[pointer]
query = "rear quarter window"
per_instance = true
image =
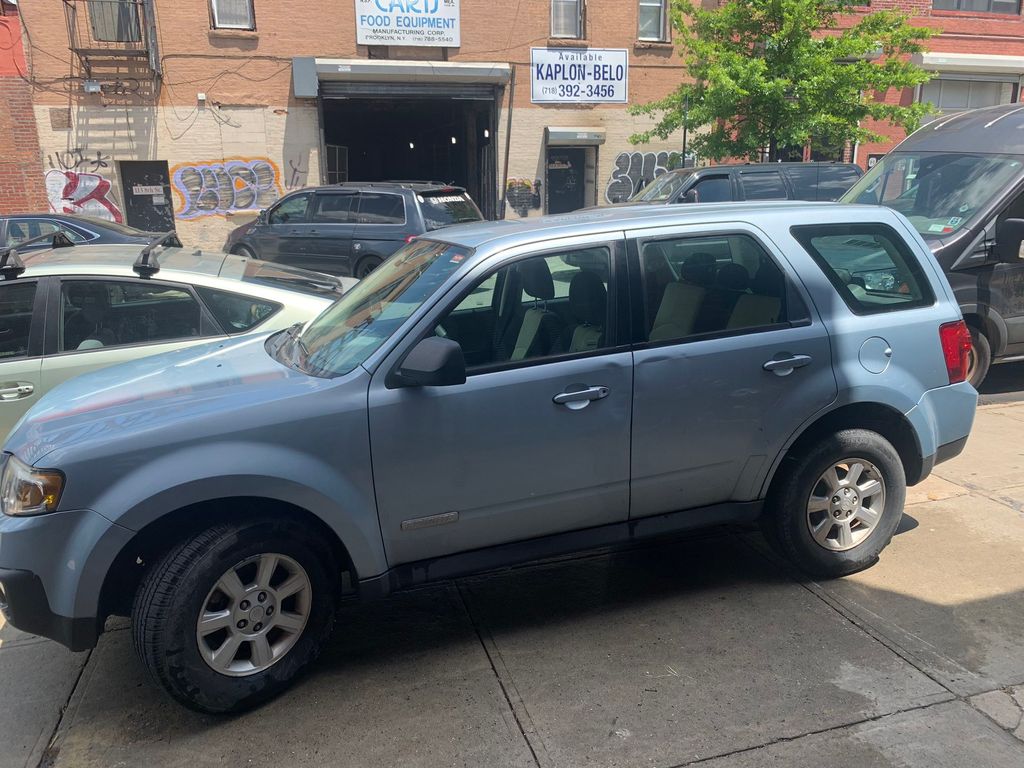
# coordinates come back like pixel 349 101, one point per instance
pixel 870 265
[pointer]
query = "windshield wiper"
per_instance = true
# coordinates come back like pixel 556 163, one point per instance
pixel 293 334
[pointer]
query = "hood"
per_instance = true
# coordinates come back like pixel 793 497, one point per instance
pixel 185 392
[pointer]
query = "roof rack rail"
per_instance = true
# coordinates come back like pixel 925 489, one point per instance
pixel 11 264
pixel 147 265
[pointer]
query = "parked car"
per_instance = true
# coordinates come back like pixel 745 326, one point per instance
pixel 81 230
pixel 64 311
pixel 960 181
pixel 491 394
pixel 349 229
pixel 750 181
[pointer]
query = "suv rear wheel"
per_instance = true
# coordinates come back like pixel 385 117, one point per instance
pixel 228 618
pixel 839 503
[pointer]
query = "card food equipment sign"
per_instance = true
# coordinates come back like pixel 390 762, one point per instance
pixel 408 22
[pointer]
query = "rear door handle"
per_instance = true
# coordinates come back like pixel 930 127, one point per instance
pixel 579 398
pixel 16 391
pixel 783 366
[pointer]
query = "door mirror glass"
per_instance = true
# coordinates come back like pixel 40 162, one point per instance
pixel 434 362
pixel 690 196
pixel 261 217
pixel 1009 236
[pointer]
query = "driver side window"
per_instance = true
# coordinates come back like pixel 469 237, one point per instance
pixel 291 210
pixel 540 307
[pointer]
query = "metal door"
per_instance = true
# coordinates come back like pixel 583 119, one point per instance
pixel 147 195
pixel 566 179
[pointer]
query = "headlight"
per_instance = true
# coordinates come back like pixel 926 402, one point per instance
pixel 27 491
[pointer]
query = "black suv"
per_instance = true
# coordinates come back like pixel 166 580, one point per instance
pixel 350 228
pixel 750 181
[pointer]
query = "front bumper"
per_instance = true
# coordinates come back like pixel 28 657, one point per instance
pixel 52 570
pixel 23 603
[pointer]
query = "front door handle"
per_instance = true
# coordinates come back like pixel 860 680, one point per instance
pixel 15 390
pixel 783 366
pixel 578 398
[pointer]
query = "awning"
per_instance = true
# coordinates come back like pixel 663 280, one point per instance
pixel 573 137
pixel 310 75
pixel 980 63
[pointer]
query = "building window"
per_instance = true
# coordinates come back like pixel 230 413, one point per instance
pixel 952 94
pixel 115 21
pixel 978 6
pixel 567 18
pixel 233 14
pixel 652 21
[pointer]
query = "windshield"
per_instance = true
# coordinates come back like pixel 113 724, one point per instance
pixel 938 191
pixel 662 188
pixel 292 279
pixel 352 329
pixel 449 207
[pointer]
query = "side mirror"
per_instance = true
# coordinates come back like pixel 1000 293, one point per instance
pixel 261 217
pixel 434 362
pixel 690 196
pixel 1009 237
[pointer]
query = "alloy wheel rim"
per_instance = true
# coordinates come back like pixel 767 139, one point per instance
pixel 846 504
pixel 254 614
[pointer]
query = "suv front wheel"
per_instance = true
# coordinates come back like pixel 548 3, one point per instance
pixel 228 618
pixel 839 503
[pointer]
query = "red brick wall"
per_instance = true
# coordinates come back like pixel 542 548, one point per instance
pixel 21 180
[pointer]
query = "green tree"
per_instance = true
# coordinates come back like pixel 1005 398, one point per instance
pixel 777 73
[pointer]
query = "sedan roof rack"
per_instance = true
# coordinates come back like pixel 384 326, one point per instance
pixel 11 264
pixel 147 265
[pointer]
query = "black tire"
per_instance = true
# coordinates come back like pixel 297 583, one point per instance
pixel 169 600
pixel 366 265
pixel 244 251
pixel 981 357
pixel 786 512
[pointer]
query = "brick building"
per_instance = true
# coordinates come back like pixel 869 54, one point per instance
pixel 21 187
pixel 197 113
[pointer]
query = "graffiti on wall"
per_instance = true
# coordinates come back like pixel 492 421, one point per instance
pixel 83 193
pixel 297 175
pixel 217 187
pixel 78 159
pixel 634 170
pixel 522 195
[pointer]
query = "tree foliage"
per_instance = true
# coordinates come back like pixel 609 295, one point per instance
pixel 775 73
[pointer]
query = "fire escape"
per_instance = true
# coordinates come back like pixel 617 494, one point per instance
pixel 115 44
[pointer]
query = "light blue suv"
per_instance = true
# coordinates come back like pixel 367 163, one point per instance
pixel 489 395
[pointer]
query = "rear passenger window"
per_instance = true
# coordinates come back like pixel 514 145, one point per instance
pixel 695 286
pixel 870 266
pixel 761 185
pixel 97 314
pixel 16 302
pixel 235 313
pixel 821 182
pixel 377 208
pixel 333 209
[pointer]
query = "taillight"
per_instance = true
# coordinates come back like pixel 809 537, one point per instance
pixel 956 348
pixel 410 238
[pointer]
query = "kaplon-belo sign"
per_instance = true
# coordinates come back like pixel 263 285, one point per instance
pixel 579 75
pixel 408 22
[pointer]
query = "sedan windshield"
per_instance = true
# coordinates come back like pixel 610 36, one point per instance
pixel 352 329
pixel 662 188
pixel 939 192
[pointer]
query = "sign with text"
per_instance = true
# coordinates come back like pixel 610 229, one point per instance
pixel 579 75
pixel 408 22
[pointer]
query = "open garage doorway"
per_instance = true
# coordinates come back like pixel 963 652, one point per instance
pixel 412 136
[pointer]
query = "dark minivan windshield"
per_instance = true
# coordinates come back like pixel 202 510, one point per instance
pixel 352 329
pixel 939 192
pixel 446 207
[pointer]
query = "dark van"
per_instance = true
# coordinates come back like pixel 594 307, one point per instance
pixel 750 181
pixel 960 181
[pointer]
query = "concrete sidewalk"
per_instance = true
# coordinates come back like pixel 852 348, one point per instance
pixel 706 651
